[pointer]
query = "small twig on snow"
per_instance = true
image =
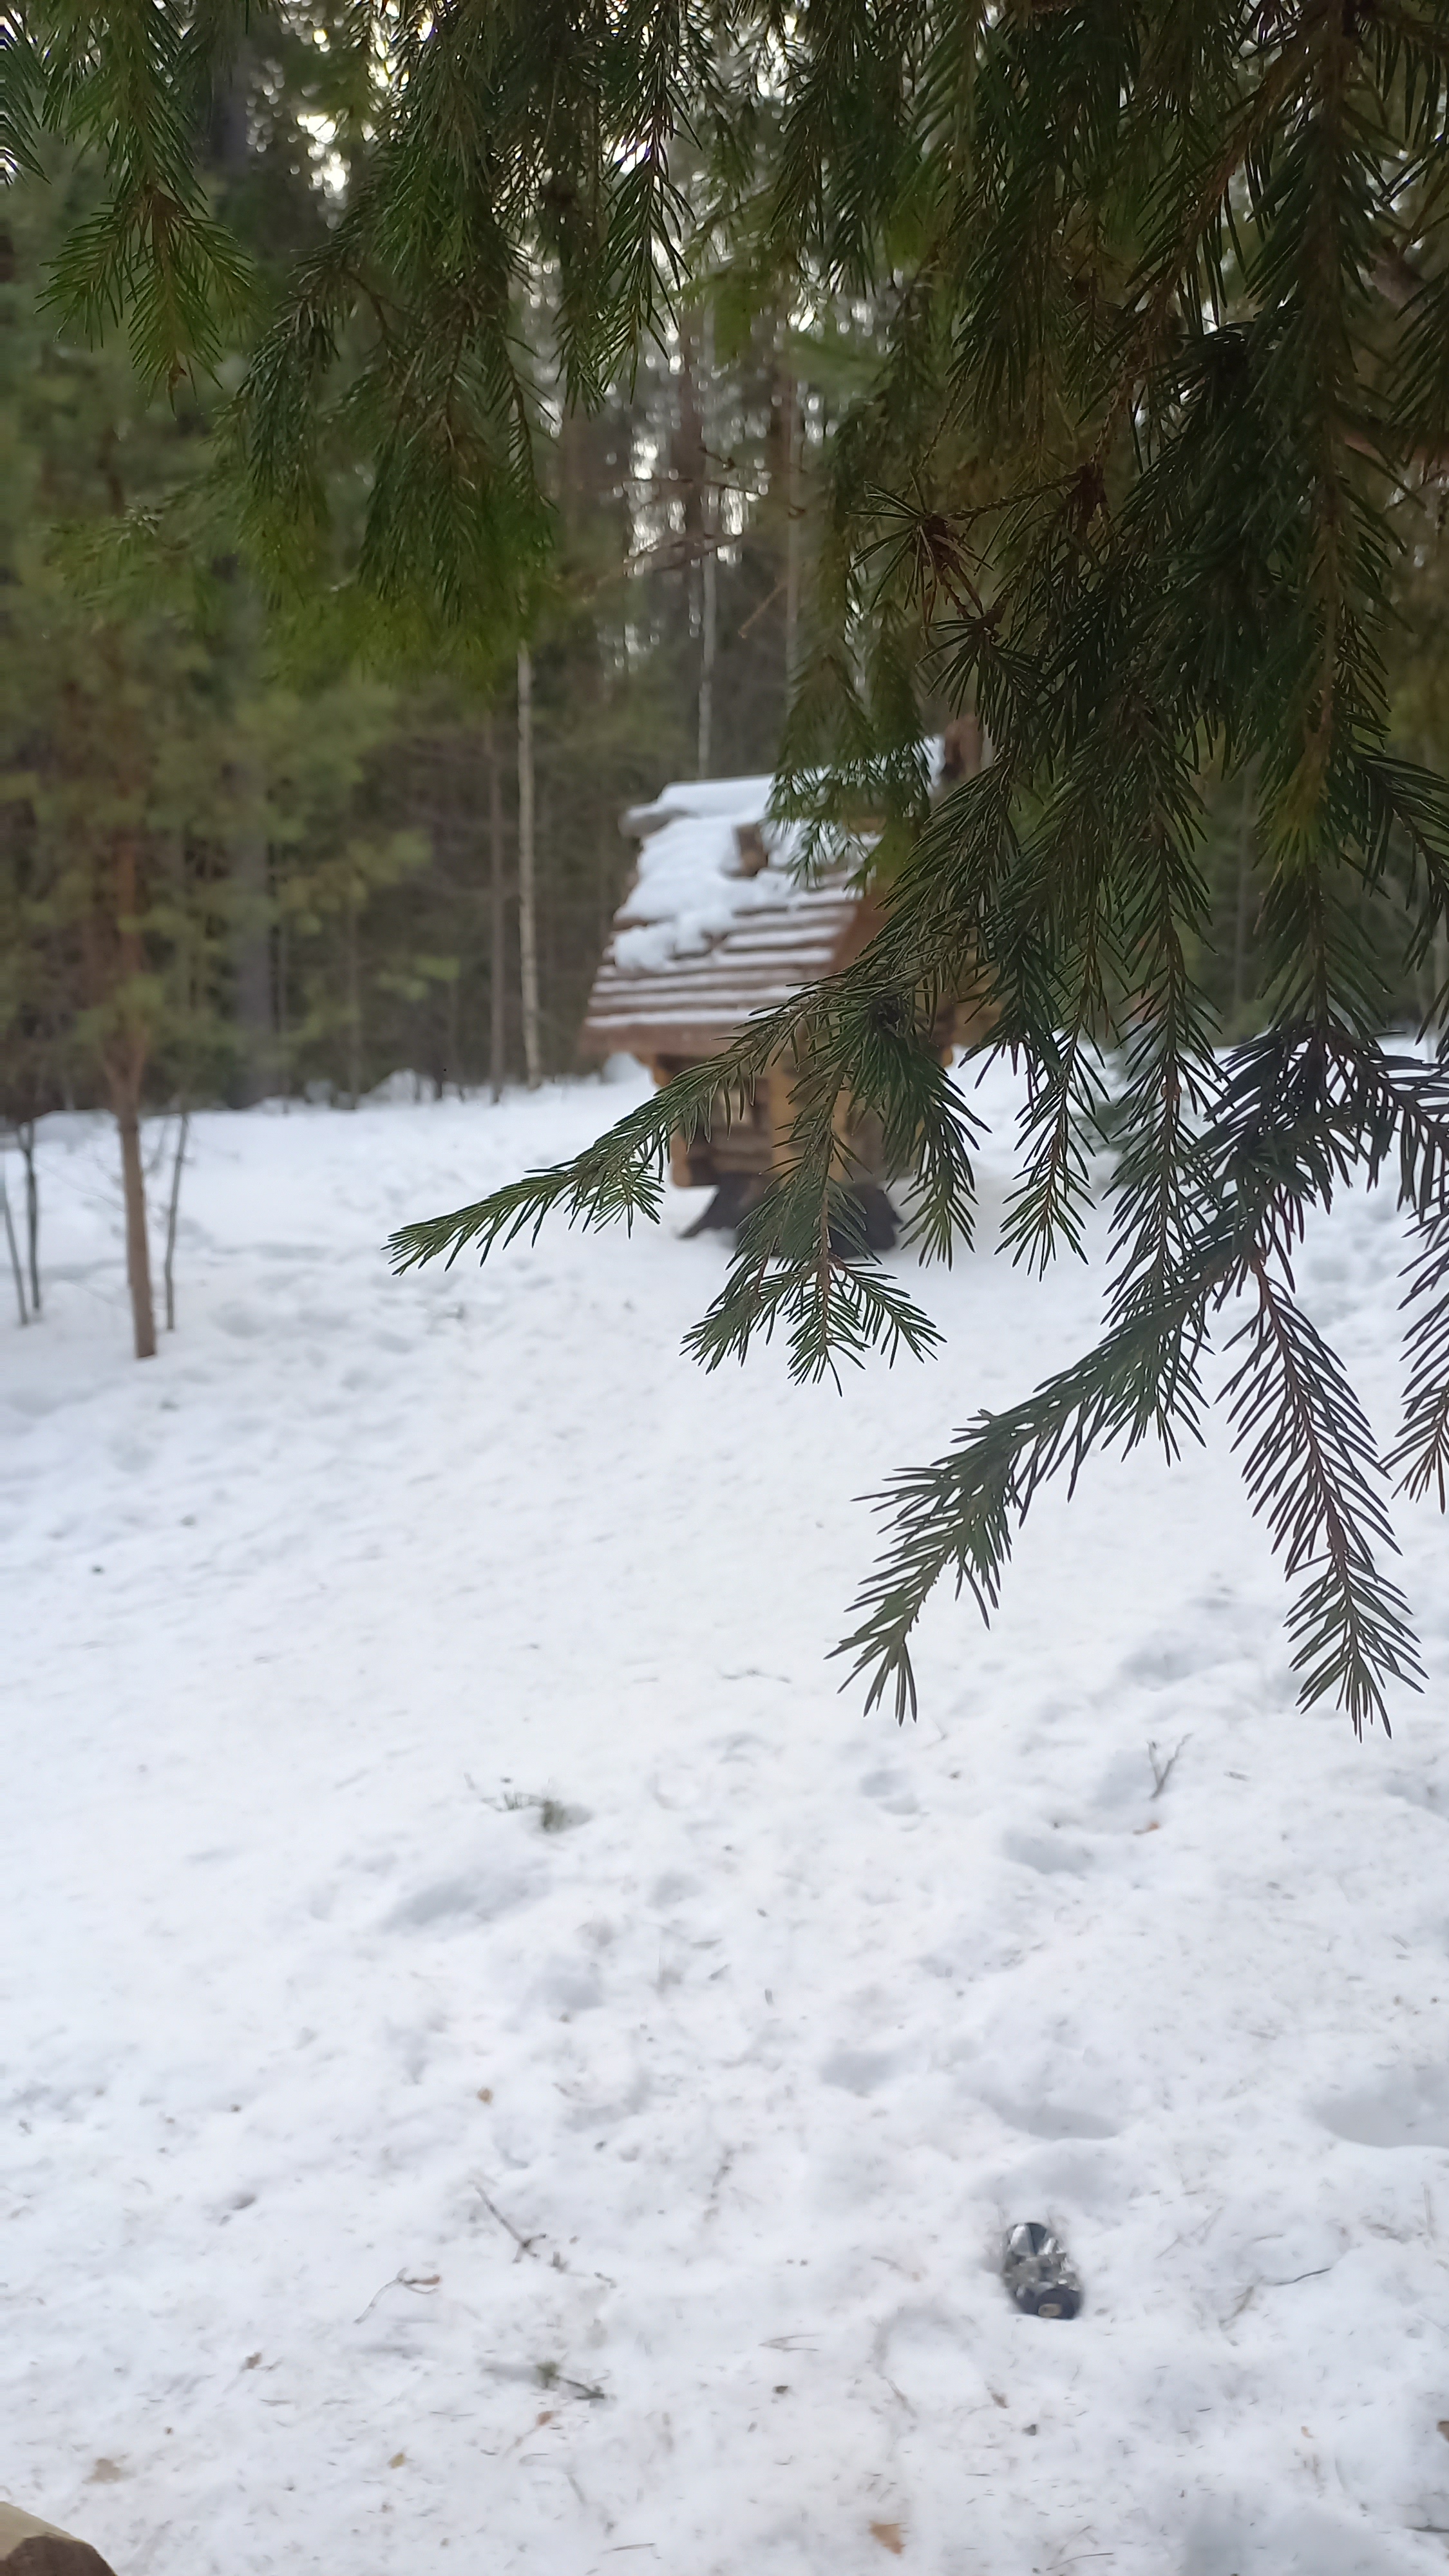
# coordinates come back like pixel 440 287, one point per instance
pixel 525 2244
pixel 550 2376
pixel 422 2284
pixel 1162 1771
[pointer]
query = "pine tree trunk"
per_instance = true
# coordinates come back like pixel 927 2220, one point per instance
pixel 709 574
pixel 687 463
pixel 497 919
pixel 547 906
pixel 250 887
pixel 244 781
pixel 255 1024
pixel 26 1134
pixel 16 1271
pixel 173 1210
pixel 453 1068
pixel 792 533
pixel 123 1061
pixel 354 1005
pixel 1240 922
pixel 708 620
pixel 228 147
pixel 527 892
pixel 125 1085
pixel 284 1064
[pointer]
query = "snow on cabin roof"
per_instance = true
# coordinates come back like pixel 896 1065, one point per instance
pixel 715 926
pixel 734 797
pixel 702 844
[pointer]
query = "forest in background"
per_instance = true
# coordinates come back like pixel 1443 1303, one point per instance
pixel 322 872
pixel 244 854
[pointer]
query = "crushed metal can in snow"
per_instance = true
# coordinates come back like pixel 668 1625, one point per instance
pixel 1039 2273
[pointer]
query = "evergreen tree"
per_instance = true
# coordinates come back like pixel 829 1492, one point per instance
pixel 110 761
pixel 1159 416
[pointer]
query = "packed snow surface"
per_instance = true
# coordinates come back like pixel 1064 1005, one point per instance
pixel 394 2165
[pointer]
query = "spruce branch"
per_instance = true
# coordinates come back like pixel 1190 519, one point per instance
pixel 617 1179
pixel 1312 1470
pixel 831 1295
pixel 128 82
pixel 22 99
pixel 962 1513
pixel 1420 1455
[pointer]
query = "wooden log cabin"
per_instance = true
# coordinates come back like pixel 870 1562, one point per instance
pixel 715 928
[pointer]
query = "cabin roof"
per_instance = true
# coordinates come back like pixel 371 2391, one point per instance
pixel 715 926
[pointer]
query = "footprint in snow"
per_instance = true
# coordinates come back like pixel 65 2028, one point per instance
pixel 1045 2118
pixel 1047 1853
pixel 1407 2108
pixel 450 1904
pixel 891 1790
pixel 858 2070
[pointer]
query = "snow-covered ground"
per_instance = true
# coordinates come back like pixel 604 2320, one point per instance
pixel 384 2174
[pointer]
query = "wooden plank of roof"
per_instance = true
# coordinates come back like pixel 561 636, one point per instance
pixel 691 1003
pixel 746 972
pixel 724 1009
pixel 785 944
pixel 691 993
pixel 808 913
pixel 794 940
pixel 766 930
pixel 738 996
pixel 687 1039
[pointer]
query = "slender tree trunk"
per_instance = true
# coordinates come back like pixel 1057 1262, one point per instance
pixel 708 614
pixel 17 1272
pixel 173 1205
pixel 125 1083
pixel 244 782
pixel 453 1067
pixel 1240 924
pixel 226 145
pixel 497 922
pixel 548 902
pixel 255 1018
pixel 124 1064
pixel 26 1135
pixel 709 571
pixel 527 891
pixel 354 1005
pixel 284 1063
pixel 688 461
pixel 792 533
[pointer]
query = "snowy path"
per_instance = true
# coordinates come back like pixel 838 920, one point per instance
pixel 303 2028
